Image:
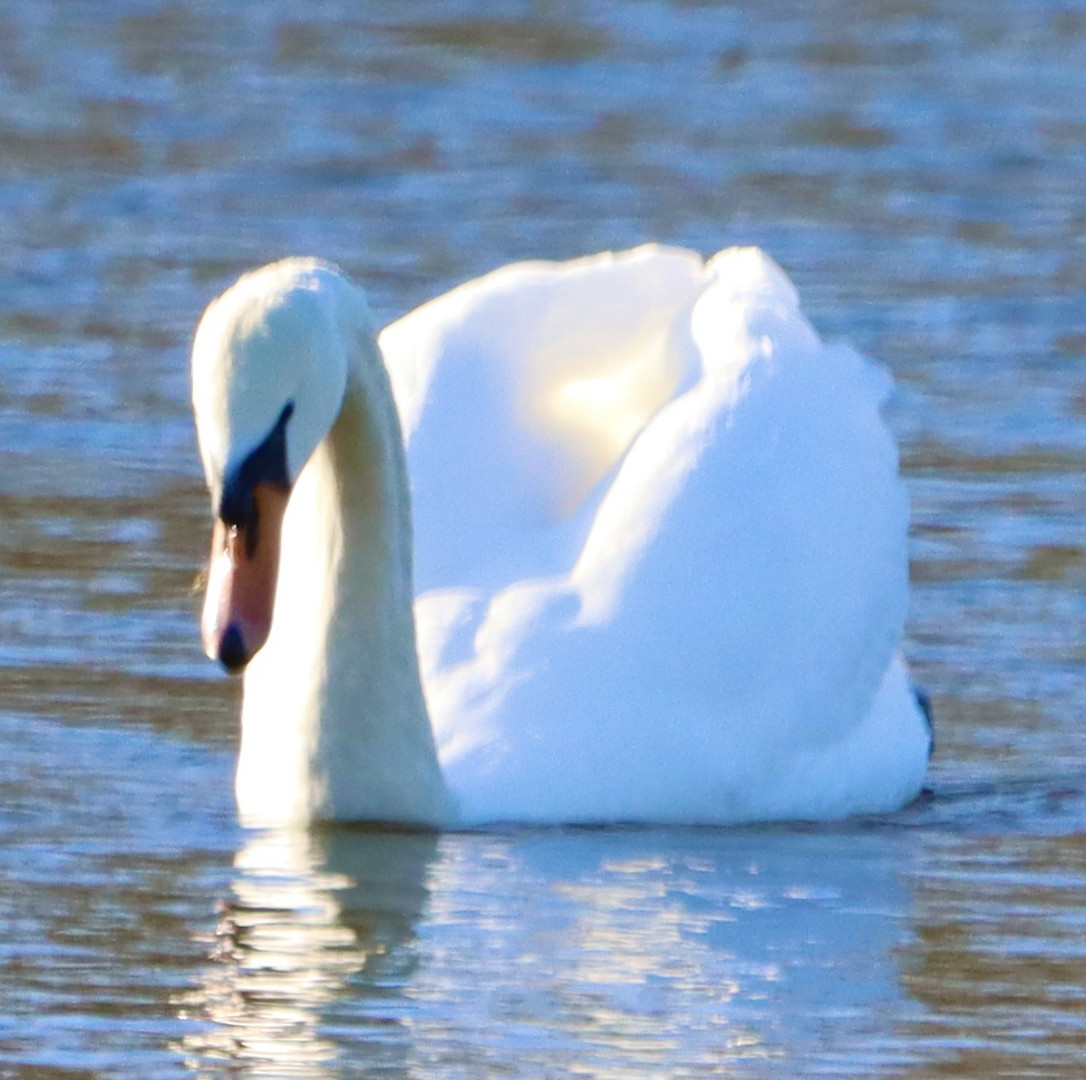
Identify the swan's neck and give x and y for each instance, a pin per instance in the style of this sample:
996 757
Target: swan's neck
334 722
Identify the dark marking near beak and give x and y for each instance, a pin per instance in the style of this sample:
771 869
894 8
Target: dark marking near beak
244 565
267 464
232 653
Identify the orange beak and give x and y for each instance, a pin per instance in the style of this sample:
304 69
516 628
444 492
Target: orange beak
242 577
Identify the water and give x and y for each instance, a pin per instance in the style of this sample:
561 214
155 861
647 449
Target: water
920 171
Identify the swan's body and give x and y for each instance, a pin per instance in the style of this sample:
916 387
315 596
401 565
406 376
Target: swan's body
659 545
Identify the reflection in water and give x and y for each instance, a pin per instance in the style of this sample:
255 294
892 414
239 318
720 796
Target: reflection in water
633 954
312 916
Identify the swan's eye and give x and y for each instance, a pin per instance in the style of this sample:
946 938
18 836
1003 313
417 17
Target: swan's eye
237 507
267 464
246 530
240 513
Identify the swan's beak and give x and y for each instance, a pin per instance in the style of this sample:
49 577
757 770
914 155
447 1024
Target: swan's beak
242 576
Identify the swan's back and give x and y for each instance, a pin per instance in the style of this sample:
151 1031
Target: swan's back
692 612
520 392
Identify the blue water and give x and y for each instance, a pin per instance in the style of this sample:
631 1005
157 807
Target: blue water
919 169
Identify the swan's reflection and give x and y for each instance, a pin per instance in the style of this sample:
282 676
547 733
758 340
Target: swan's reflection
312 914
610 952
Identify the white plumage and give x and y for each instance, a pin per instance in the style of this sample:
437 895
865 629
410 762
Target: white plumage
659 545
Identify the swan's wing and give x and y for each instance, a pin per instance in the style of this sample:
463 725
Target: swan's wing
734 613
520 391
772 550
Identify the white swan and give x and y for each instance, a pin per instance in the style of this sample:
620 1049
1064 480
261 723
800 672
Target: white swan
659 547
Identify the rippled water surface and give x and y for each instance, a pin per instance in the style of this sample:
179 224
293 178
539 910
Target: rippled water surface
917 166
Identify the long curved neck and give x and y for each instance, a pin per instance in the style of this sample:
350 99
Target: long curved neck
334 722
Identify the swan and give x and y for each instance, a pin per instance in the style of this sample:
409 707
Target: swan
611 540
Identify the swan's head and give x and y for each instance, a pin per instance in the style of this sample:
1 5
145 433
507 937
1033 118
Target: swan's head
269 368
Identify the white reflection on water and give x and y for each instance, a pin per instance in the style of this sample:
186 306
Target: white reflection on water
310 912
613 953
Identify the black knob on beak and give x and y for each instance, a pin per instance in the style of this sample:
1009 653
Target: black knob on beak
232 654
